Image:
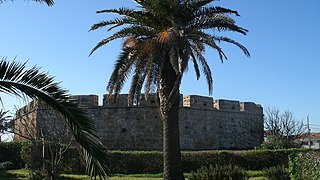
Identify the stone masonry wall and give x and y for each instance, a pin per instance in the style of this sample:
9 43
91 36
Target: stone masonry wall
204 123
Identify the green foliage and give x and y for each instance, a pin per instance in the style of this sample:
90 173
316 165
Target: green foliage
274 142
218 173
6 165
141 162
10 152
31 155
305 165
276 173
16 79
135 162
48 2
294 167
250 160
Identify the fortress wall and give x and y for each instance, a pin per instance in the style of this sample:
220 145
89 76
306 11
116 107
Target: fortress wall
239 130
204 123
141 128
198 129
128 127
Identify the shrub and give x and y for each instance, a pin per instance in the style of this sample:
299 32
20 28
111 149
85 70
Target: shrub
135 162
274 142
276 173
249 160
305 165
10 152
218 172
6 165
31 154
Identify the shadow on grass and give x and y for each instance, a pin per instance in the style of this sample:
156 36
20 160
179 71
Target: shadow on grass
13 174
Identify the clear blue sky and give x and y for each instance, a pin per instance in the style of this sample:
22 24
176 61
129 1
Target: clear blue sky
283 38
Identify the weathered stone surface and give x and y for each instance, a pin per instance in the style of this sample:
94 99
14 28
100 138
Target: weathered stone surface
204 123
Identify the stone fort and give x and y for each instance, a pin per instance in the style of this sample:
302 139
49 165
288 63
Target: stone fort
205 123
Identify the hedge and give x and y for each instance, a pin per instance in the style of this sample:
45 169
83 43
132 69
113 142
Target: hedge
304 165
132 162
135 162
10 154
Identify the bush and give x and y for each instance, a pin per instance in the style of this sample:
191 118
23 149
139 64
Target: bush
276 173
218 172
305 165
6 165
71 161
135 162
10 152
249 160
31 154
274 142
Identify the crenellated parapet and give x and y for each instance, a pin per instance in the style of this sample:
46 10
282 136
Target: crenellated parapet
201 102
86 100
204 123
190 101
251 107
111 101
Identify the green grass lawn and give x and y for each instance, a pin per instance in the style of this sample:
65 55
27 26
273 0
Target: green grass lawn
23 174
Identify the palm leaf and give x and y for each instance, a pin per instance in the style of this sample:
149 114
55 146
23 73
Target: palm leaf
226 39
15 79
125 32
48 2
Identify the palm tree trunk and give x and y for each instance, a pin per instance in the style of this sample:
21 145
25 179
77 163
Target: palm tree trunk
169 112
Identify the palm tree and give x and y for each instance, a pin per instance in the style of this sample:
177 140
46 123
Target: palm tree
48 2
160 38
16 79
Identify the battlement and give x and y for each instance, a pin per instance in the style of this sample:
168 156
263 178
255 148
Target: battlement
204 123
86 100
251 107
196 101
227 105
190 101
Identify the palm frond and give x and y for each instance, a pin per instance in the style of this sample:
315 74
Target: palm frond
120 11
198 3
151 78
208 40
205 70
210 11
125 32
15 79
48 2
120 73
195 65
218 21
226 39
137 83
